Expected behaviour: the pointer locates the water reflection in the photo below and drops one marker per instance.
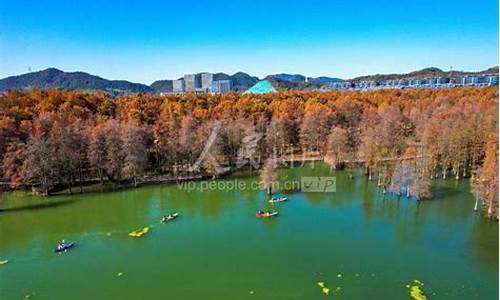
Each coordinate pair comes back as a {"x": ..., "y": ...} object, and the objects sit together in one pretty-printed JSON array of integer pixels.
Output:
[
  {"x": 483, "y": 239},
  {"x": 27, "y": 221}
]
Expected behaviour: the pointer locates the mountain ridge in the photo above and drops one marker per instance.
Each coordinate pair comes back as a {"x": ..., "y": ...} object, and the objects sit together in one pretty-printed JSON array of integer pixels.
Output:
[
  {"x": 55, "y": 78},
  {"x": 240, "y": 82},
  {"x": 426, "y": 72},
  {"x": 297, "y": 78}
]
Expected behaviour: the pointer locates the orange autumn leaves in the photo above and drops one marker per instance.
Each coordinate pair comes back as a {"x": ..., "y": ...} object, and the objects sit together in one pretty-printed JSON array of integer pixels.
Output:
[{"x": 82, "y": 137}]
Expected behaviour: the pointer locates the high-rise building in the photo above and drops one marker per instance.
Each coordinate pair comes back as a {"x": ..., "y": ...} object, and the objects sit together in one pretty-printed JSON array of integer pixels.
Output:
[
  {"x": 206, "y": 81},
  {"x": 178, "y": 86},
  {"x": 214, "y": 88},
  {"x": 190, "y": 82},
  {"x": 221, "y": 86}
]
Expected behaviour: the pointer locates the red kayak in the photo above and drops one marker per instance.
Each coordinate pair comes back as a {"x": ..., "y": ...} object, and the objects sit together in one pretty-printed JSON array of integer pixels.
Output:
[{"x": 261, "y": 214}]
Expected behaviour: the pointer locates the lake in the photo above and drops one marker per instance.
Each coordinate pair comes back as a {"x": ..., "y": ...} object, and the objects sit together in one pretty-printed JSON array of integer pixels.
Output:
[{"x": 360, "y": 243}]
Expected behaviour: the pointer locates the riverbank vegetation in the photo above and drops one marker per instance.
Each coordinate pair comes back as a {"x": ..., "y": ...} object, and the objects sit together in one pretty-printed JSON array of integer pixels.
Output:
[{"x": 402, "y": 138}]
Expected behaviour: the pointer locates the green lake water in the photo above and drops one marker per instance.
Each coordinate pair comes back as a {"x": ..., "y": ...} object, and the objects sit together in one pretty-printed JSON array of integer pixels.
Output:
[{"x": 218, "y": 249}]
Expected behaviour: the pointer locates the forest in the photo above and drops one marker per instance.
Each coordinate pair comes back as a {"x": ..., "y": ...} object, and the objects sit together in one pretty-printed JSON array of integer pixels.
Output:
[{"x": 53, "y": 139}]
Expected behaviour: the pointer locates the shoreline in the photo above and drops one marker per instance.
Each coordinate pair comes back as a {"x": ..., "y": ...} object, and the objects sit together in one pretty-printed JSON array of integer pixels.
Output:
[{"x": 164, "y": 178}]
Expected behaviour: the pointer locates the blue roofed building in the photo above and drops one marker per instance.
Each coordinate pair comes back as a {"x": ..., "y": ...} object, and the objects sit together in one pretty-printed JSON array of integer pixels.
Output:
[{"x": 261, "y": 87}]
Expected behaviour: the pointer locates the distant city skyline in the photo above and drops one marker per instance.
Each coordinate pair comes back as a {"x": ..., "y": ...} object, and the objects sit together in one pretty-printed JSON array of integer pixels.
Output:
[{"x": 144, "y": 42}]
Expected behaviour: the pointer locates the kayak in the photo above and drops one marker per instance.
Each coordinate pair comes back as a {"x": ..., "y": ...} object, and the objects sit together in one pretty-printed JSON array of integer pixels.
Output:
[
  {"x": 276, "y": 200},
  {"x": 169, "y": 217},
  {"x": 64, "y": 247},
  {"x": 266, "y": 214}
]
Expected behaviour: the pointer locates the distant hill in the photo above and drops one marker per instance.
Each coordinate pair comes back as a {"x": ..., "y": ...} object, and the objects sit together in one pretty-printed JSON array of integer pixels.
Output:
[
  {"x": 323, "y": 79},
  {"x": 240, "y": 82},
  {"x": 302, "y": 78},
  {"x": 283, "y": 85},
  {"x": 492, "y": 70},
  {"x": 54, "y": 78},
  {"x": 427, "y": 72},
  {"x": 162, "y": 86},
  {"x": 290, "y": 77}
]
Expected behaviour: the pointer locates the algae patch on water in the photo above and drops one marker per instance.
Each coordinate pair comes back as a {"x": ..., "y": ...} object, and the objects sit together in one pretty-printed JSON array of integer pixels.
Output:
[
  {"x": 139, "y": 232},
  {"x": 323, "y": 288},
  {"x": 326, "y": 290},
  {"x": 415, "y": 290}
]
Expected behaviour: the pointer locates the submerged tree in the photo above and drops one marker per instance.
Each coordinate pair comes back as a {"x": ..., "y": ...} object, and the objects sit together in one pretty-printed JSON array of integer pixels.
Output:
[
  {"x": 338, "y": 146},
  {"x": 411, "y": 177},
  {"x": 485, "y": 183},
  {"x": 269, "y": 175}
]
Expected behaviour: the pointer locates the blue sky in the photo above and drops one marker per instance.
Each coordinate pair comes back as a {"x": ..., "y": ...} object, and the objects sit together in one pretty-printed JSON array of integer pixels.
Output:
[{"x": 143, "y": 41}]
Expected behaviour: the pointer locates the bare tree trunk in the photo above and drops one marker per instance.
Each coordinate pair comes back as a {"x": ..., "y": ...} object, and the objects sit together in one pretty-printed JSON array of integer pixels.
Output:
[
  {"x": 70, "y": 181},
  {"x": 80, "y": 175},
  {"x": 100, "y": 177}
]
